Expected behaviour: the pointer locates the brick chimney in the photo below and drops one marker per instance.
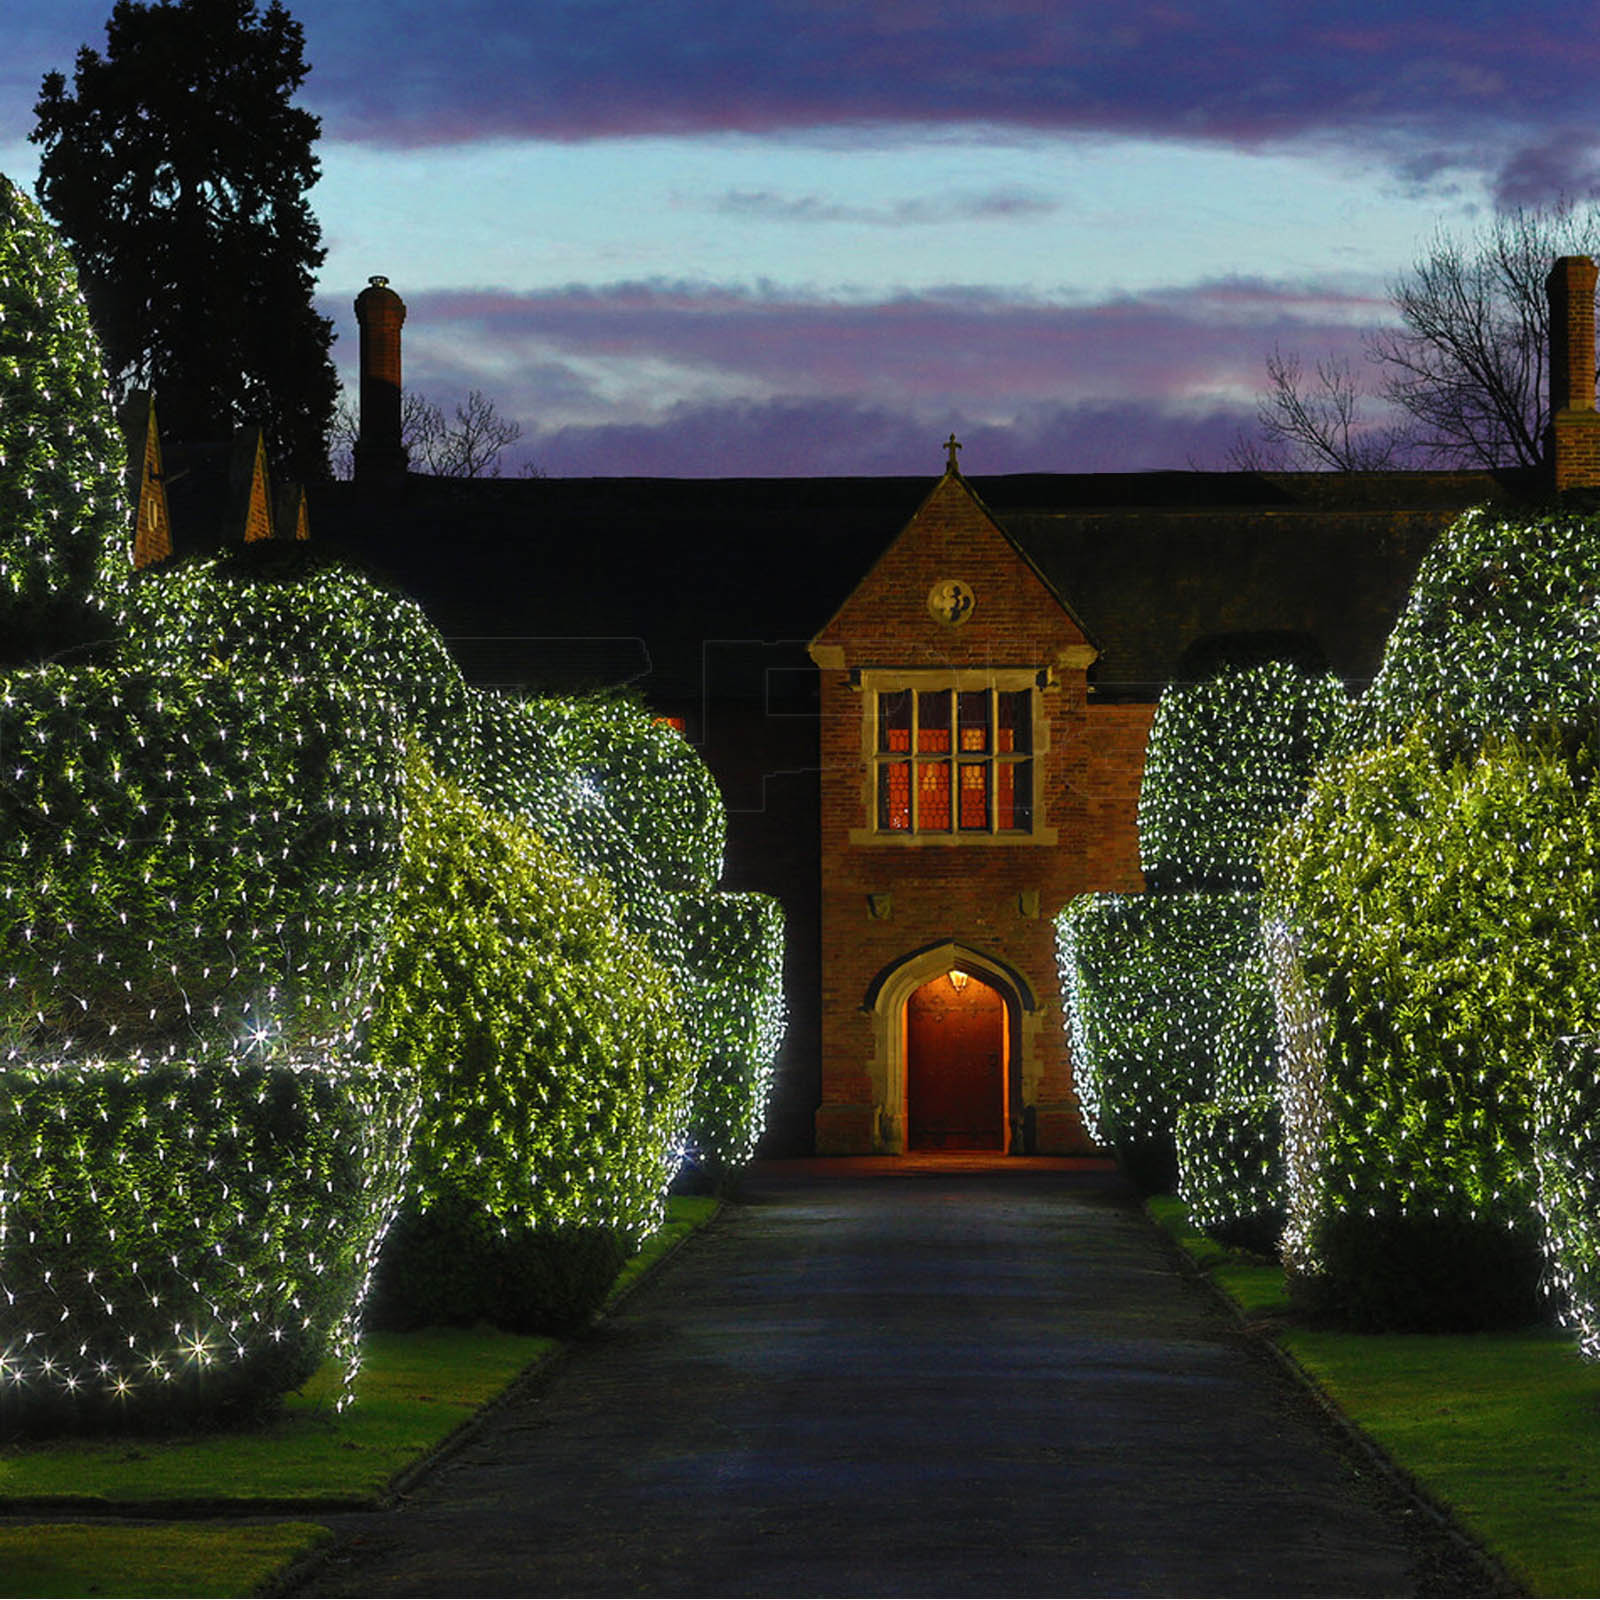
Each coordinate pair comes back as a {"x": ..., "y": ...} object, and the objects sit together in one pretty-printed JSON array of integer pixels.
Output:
[
  {"x": 1573, "y": 447},
  {"x": 380, "y": 457}
]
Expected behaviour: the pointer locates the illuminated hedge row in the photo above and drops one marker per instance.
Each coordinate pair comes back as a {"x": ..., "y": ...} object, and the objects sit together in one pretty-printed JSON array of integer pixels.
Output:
[
  {"x": 1227, "y": 759},
  {"x": 1435, "y": 931},
  {"x": 1147, "y": 980},
  {"x": 191, "y": 864},
  {"x": 733, "y": 945},
  {"x": 1566, "y": 1145},
  {"x": 1501, "y": 634},
  {"x": 556, "y": 1074},
  {"x": 187, "y": 1239},
  {"x": 1230, "y": 1145},
  {"x": 63, "y": 518}
]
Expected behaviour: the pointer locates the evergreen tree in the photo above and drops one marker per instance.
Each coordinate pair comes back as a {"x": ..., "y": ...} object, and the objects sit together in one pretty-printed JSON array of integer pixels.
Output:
[
  {"x": 176, "y": 169},
  {"x": 64, "y": 530}
]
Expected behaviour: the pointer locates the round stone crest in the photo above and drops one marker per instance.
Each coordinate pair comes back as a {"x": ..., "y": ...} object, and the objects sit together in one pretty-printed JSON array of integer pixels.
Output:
[{"x": 951, "y": 601}]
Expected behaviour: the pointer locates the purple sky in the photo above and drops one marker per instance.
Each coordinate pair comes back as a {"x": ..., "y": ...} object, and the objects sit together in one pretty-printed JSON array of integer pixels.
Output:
[{"x": 798, "y": 236}]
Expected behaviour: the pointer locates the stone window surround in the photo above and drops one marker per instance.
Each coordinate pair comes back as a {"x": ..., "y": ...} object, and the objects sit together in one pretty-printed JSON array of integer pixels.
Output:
[{"x": 870, "y": 682}]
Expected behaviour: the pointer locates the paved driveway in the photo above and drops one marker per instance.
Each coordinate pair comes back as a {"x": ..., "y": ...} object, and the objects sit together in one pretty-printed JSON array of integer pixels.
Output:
[{"x": 974, "y": 1377}]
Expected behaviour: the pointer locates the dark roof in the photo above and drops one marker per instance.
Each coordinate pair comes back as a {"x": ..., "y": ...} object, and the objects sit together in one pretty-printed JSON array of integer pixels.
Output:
[{"x": 632, "y": 579}]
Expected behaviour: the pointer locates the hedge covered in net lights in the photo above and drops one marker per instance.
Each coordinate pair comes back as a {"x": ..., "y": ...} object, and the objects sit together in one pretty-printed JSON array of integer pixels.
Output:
[
  {"x": 734, "y": 1009},
  {"x": 1228, "y": 758},
  {"x": 63, "y": 517},
  {"x": 1501, "y": 635},
  {"x": 1433, "y": 929},
  {"x": 191, "y": 863},
  {"x": 1566, "y": 1145},
  {"x": 1147, "y": 980},
  {"x": 1230, "y": 1145},
  {"x": 555, "y": 1069},
  {"x": 187, "y": 1240}
]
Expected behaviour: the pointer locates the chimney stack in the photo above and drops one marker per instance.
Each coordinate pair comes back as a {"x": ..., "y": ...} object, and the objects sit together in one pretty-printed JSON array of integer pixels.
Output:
[
  {"x": 1573, "y": 445},
  {"x": 380, "y": 457}
]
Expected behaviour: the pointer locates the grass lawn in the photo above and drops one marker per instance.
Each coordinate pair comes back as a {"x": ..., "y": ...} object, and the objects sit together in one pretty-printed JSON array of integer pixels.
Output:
[
  {"x": 413, "y": 1392},
  {"x": 1504, "y": 1428}
]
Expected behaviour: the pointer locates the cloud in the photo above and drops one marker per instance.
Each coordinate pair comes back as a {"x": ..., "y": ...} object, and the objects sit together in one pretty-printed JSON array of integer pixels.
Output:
[
  {"x": 695, "y": 380},
  {"x": 764, "y": 205},
  {"x": 1565, "y": 164}
]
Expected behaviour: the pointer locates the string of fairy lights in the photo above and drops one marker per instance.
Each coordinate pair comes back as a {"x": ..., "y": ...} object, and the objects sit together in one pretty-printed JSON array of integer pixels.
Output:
[{"x": 301, "y": 930}]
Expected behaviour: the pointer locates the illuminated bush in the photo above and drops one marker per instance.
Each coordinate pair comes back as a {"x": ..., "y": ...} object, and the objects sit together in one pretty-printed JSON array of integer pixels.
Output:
[
  {"x": 1435, "y": 930},
  {"x": 186, "y": 1239},
  {"x": 1230, "y": 1146},
  {"x": 1228, "y": 758},
  {"x": 733, "y": 1001},
  {"x": 277, "y": 607},
  {"x": 63, "y": 518},
  {"x": 1147, "y": 980},
  {"x": 191, "y": 864},
  {"x": 1501, "y": 634},
  {"x": 556, "y": 1075},
  {"x": 1566, "y": 1143}
]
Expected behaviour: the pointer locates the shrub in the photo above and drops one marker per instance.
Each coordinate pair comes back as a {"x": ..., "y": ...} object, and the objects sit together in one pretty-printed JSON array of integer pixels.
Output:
[
  {"x": 1146, "y": 980},
  {"x": 734, "y": 1001},
  {"x": 1435, "y": 925},
  {"x": 555, "y": 1071},
  {"x": 187, "y": 1240},
  {"x": 1501, "y": 635},
  {"x": 1566, "y": 1145},
  {"x": 191, "y": 864},
  {"x": 1228, "y": 759},
  {"x": 1230, "y": 1148},
  {"x": 63, "y": 516},
  {"x": 278, "y": 608}
]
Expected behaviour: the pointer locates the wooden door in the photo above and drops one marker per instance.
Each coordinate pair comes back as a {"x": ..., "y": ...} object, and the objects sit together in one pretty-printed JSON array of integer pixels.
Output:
[{"x": 955, "y": 1066}]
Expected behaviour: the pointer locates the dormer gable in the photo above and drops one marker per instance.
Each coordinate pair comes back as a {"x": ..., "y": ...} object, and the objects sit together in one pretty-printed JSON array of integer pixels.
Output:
[
  {"x": 146, "y": 480},
  {"x": 954, "y": 589},
  {"x": 249, "y": 517}
]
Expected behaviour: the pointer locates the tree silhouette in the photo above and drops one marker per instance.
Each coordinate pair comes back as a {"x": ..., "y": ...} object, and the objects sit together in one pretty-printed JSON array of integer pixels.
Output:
[{"x": 176, "y": 169}]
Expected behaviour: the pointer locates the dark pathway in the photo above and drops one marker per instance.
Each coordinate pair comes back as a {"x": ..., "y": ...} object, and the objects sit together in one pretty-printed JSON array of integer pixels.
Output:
[{"x": 940, "y": 1380}]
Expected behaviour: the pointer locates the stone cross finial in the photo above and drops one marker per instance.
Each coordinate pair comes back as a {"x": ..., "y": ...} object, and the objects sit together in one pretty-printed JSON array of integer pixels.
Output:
[{"x": 953, "y": 445}]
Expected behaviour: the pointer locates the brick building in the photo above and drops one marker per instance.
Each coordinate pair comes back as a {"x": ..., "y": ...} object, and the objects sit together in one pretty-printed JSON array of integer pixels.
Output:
[{"x": 926, "y": 780}]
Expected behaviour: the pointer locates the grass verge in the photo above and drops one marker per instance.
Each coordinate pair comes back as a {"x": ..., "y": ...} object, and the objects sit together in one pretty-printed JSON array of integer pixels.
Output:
[
  {"x": 1502, "y": 1429},
  {"x": 194, "y": 1559}
]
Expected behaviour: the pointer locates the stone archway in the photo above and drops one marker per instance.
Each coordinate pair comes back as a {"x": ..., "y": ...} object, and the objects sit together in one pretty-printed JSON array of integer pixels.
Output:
[{"x": 976, "y": 1096}]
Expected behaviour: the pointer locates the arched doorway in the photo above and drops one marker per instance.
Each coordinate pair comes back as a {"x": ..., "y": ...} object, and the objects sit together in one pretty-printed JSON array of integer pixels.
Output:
[{"x": 957, "y": 1059}]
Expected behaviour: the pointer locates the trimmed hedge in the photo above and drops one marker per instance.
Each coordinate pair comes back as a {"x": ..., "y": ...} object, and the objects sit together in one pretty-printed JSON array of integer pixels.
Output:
[
  {"x": 556, "y": 1075},
  {"x": 1230, "y": 1147},
  {"x": 1437, "y": 927},
  {"x": 1501, "y": 635},
  {"x": 733, "y": 944},
  {"x": 191, "y": 864},
  {"x": 1566, "y": 1146},
  {"x": 1228, "y": 759},
  {"x": 187, "y": 1241},
  {"x": 1147, "y": 980},
  {"x": 63, "y": 518}
]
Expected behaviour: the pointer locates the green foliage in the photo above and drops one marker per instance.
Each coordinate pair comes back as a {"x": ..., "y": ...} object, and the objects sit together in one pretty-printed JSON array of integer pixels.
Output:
[
  {"x": 191, "y": 864},
  {"x": 1230, "y": 1147},
  {"x": 1501, "y": 635},
  {"x": 177, "y": 169},
  {"x": 186, "y": 1239},
  {"x": 1566, "y": 1147},
  {"x": 555, "y": 1070},
  {"x": 1434, "y": 931},
  {"x": 63, "y": 517},
  {"x": 734, "y": 1004},
  {"x": 1147, "y": 980},
  {"x": 1228, "y": 758},
  {"x": 282, "y": 608}
]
